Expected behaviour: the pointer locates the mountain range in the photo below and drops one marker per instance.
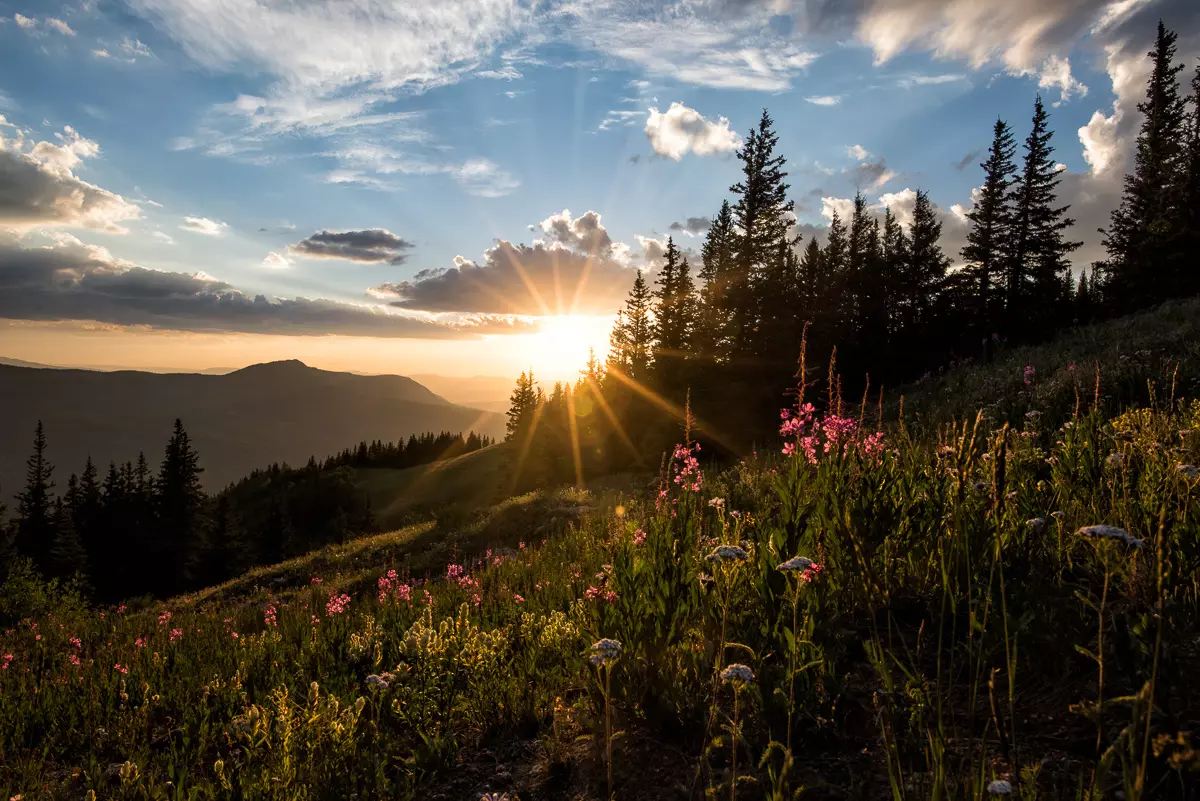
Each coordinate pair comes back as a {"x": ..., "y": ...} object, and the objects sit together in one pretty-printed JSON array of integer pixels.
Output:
[{"x": 275, "y": 412}]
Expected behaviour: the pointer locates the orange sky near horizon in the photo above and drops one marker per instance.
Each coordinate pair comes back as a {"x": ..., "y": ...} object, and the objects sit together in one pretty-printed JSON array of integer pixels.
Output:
[{"x": 557, "y": 352}]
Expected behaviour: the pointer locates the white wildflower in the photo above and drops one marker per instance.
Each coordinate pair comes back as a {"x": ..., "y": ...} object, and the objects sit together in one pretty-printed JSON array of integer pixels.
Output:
[
  {"x": 1189, "y": 470},
  {"x": 1110, "y": 533},
  {"x": 1036, "y": 523},
  {"x": 727, "y": 553},
  {"x": 716, "y": 503},
  {"x": 796, "y": 564},
  {"x": 1115, "y": 460},
  {"x": 737, "y": 672},
  {"x": 605, "y": 651},
  {"x": 999, "y": 787},
  {"x": 1033, "y": 416}
]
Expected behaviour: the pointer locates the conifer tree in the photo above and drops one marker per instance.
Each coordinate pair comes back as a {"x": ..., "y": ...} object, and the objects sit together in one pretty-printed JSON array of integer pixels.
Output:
[
  {"x": 761, "y": 215},
  {"x": 926, "y": 264},
  {"x": 990, "y": 228},
  {"x": 522, "y": 407},
  {"x": 810, "y": 281},
  {"x": 180, "y": 512},
  {"x": 716, "y": 263},
  {"x": 35, "y": 505},
  {"x": 637, "y": 334},
  {"x": 674, "y": 322},
  {"x": 893, "y": 247},
  {"x": 67, "y": 557},
  {"x": 1038, "y": 260},
  {"x": 1187, "y": 261},
  {"x": 1143, "y": 229},
  {"x": 225, "y": 551}
]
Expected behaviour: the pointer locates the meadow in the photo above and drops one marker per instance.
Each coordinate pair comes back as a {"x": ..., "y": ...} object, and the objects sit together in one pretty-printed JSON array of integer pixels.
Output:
[{"x": 998, "y": 605}]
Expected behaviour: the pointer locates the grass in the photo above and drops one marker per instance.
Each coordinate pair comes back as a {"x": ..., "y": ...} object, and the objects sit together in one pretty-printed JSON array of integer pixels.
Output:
[{"x": 962, "y": 628}]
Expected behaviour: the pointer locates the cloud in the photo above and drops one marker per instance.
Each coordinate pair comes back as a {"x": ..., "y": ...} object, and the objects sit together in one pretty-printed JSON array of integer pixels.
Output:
[
  {"x": 203, "y": 225},
  {"x": 858, "y": 152},
  {"x": 374, "y": 166},
  {"x": 909, "y": 81},
  {"x": 74, "y": 281},
  {"x": 869, "y": 173},
  {"x": 39, "y": 188},
  {"x": 967, "y": 160},
  {"x": 680, "y": 129},
  {"x": 163, "y": 237},
  {"x": 24, "y": 22},
  {"x": 692, "y": 226},
  {"x": 584, "y": 234},
  {"x": 372, "y": 245},
  {"x": 58, "y": 26},
  {"x": 275, "y": 261},
  {"x": 824, "y": 100}
]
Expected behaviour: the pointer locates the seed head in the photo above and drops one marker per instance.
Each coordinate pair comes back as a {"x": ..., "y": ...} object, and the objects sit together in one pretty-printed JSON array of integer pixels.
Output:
[
  {"x": 737, "y": 673},
  {"x": 605, "y": 652},
  {"x": 727, "y": 553},
  {"x": 797, "y": 564},
  {"x": 999, "y": 787},
  {"x": 1110, "y": 533}
]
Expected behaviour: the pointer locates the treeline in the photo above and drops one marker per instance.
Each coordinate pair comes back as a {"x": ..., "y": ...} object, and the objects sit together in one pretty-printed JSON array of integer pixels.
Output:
[
  {"x": 139, "y": 531},
  {"x": 423, "y": 449},
  {"x": 880, "y": 296}
]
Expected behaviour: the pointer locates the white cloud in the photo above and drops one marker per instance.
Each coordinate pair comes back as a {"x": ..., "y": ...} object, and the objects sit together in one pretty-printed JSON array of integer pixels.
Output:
[
  {"x": 40, "y": 188},
  {"x": 843, "y": 206},
  {"x": 1101, "y": 141},
  {"x": 275, "y": 261},
  {"x": 484, "y": 178},
  {"x": 58, "y": 26},
  {"x": 824, "y": 100},
  {"x": 680, "y": 129},
  {"x": 1056, "y": 73},
  {"x": 24, "y": 22},
  {"x": 858, "y": 152},
  {"x": 584, "y": 234},
  {"x": 203, "y": 225},
  {"x": 165, "y": 238}
]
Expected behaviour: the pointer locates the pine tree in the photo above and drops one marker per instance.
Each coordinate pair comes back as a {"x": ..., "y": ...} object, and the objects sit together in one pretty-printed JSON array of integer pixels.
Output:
[
  {"x": 637, "y": 335},
  {"x": 1038, "y": 259},
  {"x": 926, "y": 264},
  {"x": 1143, "y": 229},
  {"x": 181, "y": 512},
  {"x": 35, "y": 505},
  {"x": 894, "y": 253},
  {"x": 225, "y": 554},
  {"x": 762, "y": 213},
  {"x": 67, "y": 557},
  {"x": 810, "y": 279},
  {"x": 522, "y": 408},
  {"x": 990, "y": 229},
  {"x": 674, "y": 322},
  {"x": 711, "y": 339},
  {"x": 856, "y": 257}
]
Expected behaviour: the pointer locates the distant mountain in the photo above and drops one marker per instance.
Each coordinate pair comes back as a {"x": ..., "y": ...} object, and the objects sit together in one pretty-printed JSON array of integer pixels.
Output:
[
  {"x": 478, "y": 391},
  {"x": 279, "y": 411},
  {"x": 108, "y": 368},
  {"x": 4, "y": 360}
]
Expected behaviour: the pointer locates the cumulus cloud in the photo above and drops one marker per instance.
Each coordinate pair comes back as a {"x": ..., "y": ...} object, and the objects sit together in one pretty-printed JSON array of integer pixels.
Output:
[
  {"x": 653, "y": 249},
  {"x": 519, "y": 279},
  {"x": 73, "y": 281},
  {"x": 692, "y": 226},
  {"x": 203, "y": 225},
  {"x": 858, "y": 152},
  {"x": 38, "y": 186},
  {"x": 824, "y": 100},
  {"x": 165, "y": 238},
  {"x": 372, "y": 245},
  {"x": 680, "y": 129},
  {"x": 33, "y": 25},
  {"x": 584, "y": 234},
  {"x": 276, "y": 261}
]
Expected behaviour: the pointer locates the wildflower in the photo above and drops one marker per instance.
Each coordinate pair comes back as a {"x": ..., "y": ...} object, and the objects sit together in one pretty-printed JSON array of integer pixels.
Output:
[
  {"x": 796, "y": 564},
  {"x": 1058, "y": 516},
  {"x": 639, "y": 537},
  {"x": 520, "y": 546},
  {"x": 164, "y": 618},
  {"x": 999, "y": 787},
  {"x": 1033, "y": 416},
  {"x": 1111, "y": 533},
  {"x": 1029, "y": 374},
  {"x": 610, "y": 597},
  {"x": 337, "y": 604},
  {"x": 737, "y": 673},
  {"x": 233, "y": 634},
  {"x": 789, "y": 448},
  {"x": 120, "y": 668},
  {"x": 5, "y": 661},
  {"x": 1189, "y": 470},
  {"x": 1036, "y": 524},
  {"x": 140, "y": 642},
  {"x": 76, "y": 642},
  {"x": 518, "y": 598},
  {"x": 379, "y": 681},
  {"x": 74, "y": 659},
  {"x": 269, "y": 616},
  {"x": 1115, "y": 460},
  {"x": 177, "y": 635},
  {"x": 605, "y": 652},
  {"x": 716, "y": 503},
  {"x": 727, "y": 553},
  {"x": 121, "y": 609}
]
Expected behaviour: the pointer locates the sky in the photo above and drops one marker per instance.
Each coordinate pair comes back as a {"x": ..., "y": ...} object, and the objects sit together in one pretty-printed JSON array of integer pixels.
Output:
[{"x": 467, "y": 187}]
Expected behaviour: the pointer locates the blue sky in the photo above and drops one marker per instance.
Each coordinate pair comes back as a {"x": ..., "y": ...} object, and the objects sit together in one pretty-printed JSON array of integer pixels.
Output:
[{"x": 455, "y": 125}]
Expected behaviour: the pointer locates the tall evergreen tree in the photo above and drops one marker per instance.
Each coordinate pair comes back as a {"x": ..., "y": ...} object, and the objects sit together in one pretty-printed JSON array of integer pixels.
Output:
[
  {"x": 68, "y": 559},
  {"x": 225, "y": 554},
  {"x": 926, "y": 263},
  {"x": 1143, "y": 229},
  {"x": 35, "y": 505},
  {"x": 674, "y": 320},
  {"x": 990, "y": 229},
  {"x": 711, "y": 339},
  {"x": 1038, "y": 263},
  {"x": 522, "y": 407},
  {"x": 636, "y": 337},
  {"x": 893, "y": 247},
  {"x": 761, "y": 216},
  {"x": 181, "y": 512}
]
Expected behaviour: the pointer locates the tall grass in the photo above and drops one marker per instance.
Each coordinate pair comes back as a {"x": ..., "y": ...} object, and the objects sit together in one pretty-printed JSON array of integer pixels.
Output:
[{"x": 952, "y": 633}]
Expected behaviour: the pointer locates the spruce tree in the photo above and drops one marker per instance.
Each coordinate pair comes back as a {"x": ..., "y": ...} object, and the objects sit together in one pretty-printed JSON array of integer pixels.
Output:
[
  {"x": 674, "y": 323},
  {"x": 181, "y": 512},
  {"x": 1143, "y": 230},
  {"x": 711, "y": 339},
  {"x": 68, "y": 559},
  {"x": 761, "y": 215},
  {"x": 522, "y": 406},
  {"x": 926, "y": 264},
  {"x": 1038, "y": 260},
  {"x": 990, "y": 228},
  {"x": 893, "y": 247},
  {"x": 638, "y": 333},
  {"x": 35, "y": 505},
  {"x": 225, "y": 554}
]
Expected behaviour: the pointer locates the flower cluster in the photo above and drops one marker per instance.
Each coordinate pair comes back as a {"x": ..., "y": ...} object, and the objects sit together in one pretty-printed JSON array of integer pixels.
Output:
[
  {"x": 805, "y": 569},
  {"x": 5, "y": 661},
  {"x": 120, "y": 668},
  {"x": 605, "y": 652},
  {"x": 379, "y": 681},
  {"x": 831, "y": 435},
  {"x": 337, "y": 604},
  {"x": 177, "y": 635},
  {"x": 639, "y": 537},
  {"x": 269, "y": 616},
  {"x": 1110, "y": 533},
  {"x": 164, "y": 618},
  {"x": 796, "y": 423},
  {"x": 737, "y": 673},
  {"x": 727, "y": 553},
  {"x": 1029, "y": 374},
  {"x": 140, "y": 642},
  {"x": 686, "y": 468},
  {"x": 594, "y": 593},
  {"x": 390, "y": 586}
]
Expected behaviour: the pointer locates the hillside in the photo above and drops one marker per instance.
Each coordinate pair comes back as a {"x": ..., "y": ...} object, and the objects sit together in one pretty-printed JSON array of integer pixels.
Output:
[{"x": 275, "y": 412}]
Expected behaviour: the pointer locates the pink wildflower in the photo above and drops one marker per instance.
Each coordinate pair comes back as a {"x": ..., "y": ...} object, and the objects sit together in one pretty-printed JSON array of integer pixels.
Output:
[
  {"x": 639, "y": 537},
  {"x": 140, "y": 642},
  {"x": 315, "y": 580},
  {"x": 74, "y": 658},
  {"x": 518, "y": 598},
  {"x": 76, "y": 642},
  {"x": 337, "y": 604},
  {"x": 789, "y": 448},
  {"x": 120, "y": 668},
  {"x": 269, "y": 616},
  {"x": 177, "y": 634},
  {"x": 164, "y": 618},
  {"x": 5, "y": 661}
]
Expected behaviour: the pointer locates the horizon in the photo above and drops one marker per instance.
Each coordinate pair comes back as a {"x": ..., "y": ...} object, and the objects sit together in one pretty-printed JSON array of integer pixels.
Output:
[{"x": 472, "y": 193}]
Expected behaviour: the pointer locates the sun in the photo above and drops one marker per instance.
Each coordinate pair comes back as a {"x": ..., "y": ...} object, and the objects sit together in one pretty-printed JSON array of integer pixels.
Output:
[{"x": 560, "y": 348}]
